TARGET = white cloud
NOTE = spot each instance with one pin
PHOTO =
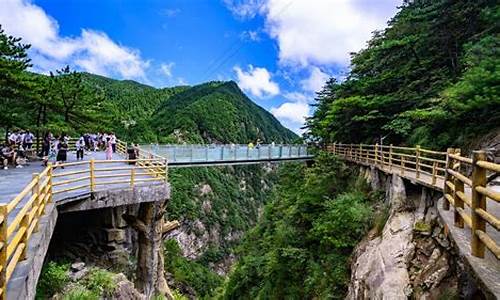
(293, 113)
(92, 51)
(166, 69)
(318, 31)
(244, 8)
(315, 81)
(257, 81)
(250, 35)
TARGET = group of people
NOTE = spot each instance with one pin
(19, 145)
(57, 148)
(15, 147)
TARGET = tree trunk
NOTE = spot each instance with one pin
(150, 275)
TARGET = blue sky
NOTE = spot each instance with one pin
(278, 51)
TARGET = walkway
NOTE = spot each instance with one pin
(433, 171)
(220, 155)
(29, 195)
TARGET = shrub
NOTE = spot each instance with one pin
(100, 282)
(53, 279)
(80, 293)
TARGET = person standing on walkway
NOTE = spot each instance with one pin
(62, 153)
(109, 149)
(80, 148)
(112, 140)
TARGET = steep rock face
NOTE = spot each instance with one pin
(412, 257)
(380, 264)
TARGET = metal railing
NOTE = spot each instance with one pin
(220, 153)
(427, 166)
(20, 217)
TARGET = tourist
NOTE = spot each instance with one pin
(109, 149)
(80, 148)
(28, 140)
(112, 140)
(62, 150)
(8, 155)
(250, 145)
(13, 138)
(132, 154)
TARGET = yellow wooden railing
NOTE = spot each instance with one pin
(446, 171)
(20, 218)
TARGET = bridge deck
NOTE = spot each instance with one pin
(220, 155)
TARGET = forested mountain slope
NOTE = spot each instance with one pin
(431, 78)
(218, 112)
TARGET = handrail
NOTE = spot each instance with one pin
(27, 208)
(446, 166)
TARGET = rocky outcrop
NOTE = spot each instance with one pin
(412, 257)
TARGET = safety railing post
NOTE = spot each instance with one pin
(49, 174)
(434, 173)
(376, 153)
(478, 202)
(417, 161)
(402, 165)
(206, 153)
(271, 153)
(132, 177)
(92, 175)
(448, 177)
(459, 203)
(222, 153)
(281, 151)
(3, 251)
(334, 149)
(38, 200)
(390, 157)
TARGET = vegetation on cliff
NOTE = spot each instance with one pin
(300, 247)
(431, 77)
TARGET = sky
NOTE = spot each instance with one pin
(280, 52)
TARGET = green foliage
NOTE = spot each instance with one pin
(100, 282)
(431, 78)
(301, 245)
(218, 112)
(53, 279)
(79, 292)
(192, 273)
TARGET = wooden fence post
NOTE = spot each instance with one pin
(448, 177)
(390, 157)
(459, 203)
(49, 174)
(3, 251)
(37, 202)
(402, 165)
(417, 161)
(334, 150)
(376, 153)
(132, 177)
(92, 175)
(434, 172)
(478, 201)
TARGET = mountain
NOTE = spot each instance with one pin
(205, 113)
(218, 112)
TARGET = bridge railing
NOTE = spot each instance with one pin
(20, 217)
(234, 152)
(462, 179)
(456, 191)
(416, 160)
